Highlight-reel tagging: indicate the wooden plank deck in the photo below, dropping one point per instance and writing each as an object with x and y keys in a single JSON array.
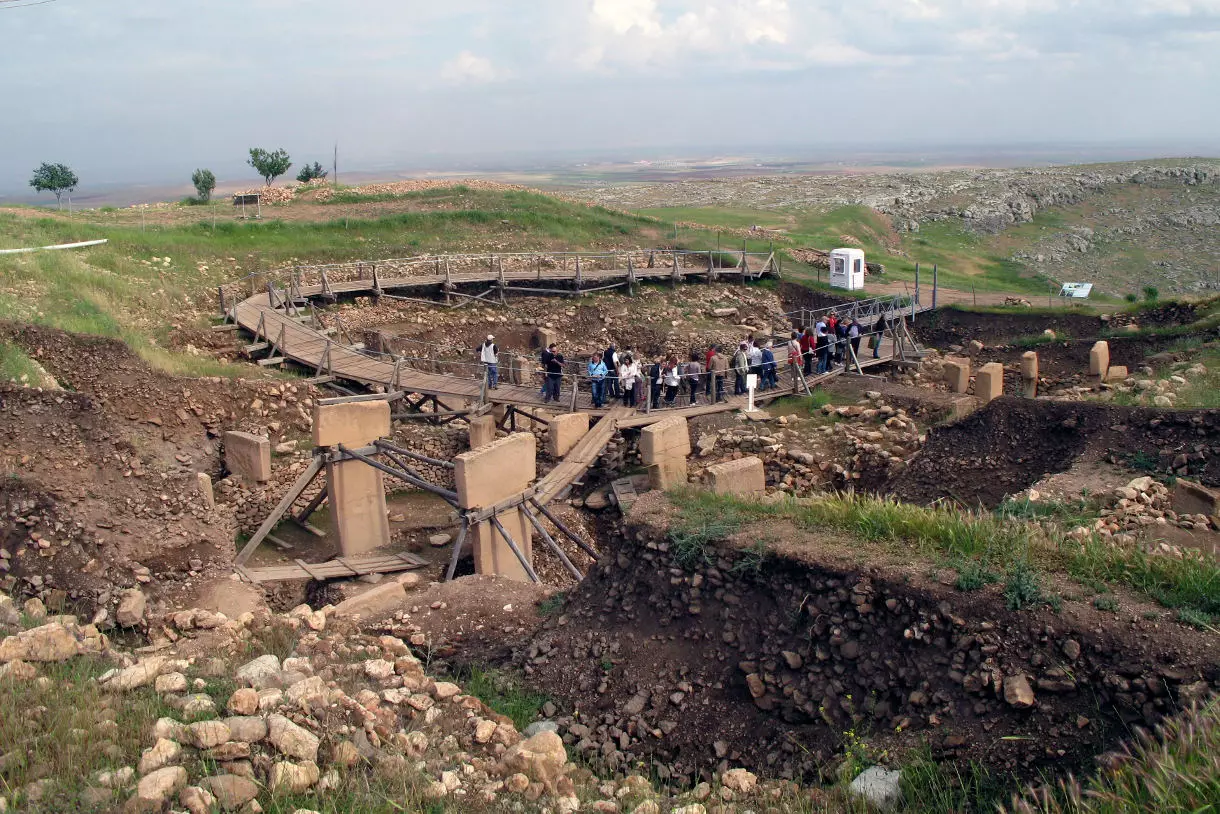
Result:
[
  {"x": 338, "y": 568},
  {"x": 313, "y": 349},
  {"x": 580, "y": 457}
]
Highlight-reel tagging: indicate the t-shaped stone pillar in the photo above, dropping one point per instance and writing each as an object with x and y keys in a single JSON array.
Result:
[
  {"x": 356, "y": 490},
  {"x": 486, "y": 476}
]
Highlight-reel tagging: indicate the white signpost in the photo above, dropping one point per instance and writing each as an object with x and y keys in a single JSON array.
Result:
[{"x": 751, "y": 385}]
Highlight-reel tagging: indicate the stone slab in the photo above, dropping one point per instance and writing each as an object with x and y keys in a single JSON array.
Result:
[
  {"x": 957, "y": 374},
  {"x": 248, "y": 456},
  {"x": 1194, "y": 498},
  {"x": 1099, "y": 359},
  {"x": 377, "y": 601},
  {"x": 503, "y": 468},
  {"x": 744, "y": 476},
  {"x": 356, "y": 424},
  {"x": 668, "y": 474},
  {"x": 989, "y": 383},
  {"x": 357, "y": 499},
  {"x": 543, "y": 337},
  {"x": 1117, "y": 373},
  {"x": 492, "y": 554},
  {"x": 1029, "y": 365},
  {"x": 564, "y": 432},
  {"x": 204, "y": 482},
  {"x": 482, "y": 431},
  {"x": 664, "y": 440}
]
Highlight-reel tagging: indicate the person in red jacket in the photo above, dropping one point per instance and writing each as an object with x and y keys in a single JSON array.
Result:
[{"x": 807, "y": 349}]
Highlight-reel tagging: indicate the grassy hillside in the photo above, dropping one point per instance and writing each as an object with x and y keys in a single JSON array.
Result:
[{"x": 147, "y": 279}]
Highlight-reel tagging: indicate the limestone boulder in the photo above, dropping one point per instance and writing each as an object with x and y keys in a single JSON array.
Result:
[
  {"x": 131, "y": 608},
  {"x": 294, "y": 778},
  {"x": 292, "y": 740},
  {"x": 261, "y": 673},
  {"x": 541, "y": 758},
  {"x": 231, "y": 791},
  {"x": 47, "y": 643},
  {"x": 159, "y": 786}
]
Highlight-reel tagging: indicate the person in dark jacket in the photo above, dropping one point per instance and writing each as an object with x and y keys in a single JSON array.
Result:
[
  {"x": 610, "y": 359},
  {"x": 554, "y": 376},
  {"x": 545, "y": 358},
  {"x": 770, "y": 377},
  {"x": 654, "y": 382}
]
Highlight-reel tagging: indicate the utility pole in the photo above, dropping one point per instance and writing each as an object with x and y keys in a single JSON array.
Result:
[{"x": 335, "y": 166}]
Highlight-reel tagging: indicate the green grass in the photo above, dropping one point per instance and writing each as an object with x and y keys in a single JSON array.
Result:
[
  {"x": 1177, "y": 770},
  {"x": 1025, "y": 551},
  {"x": 16, "y": 366},
  {"x": 504, "y": 693}
]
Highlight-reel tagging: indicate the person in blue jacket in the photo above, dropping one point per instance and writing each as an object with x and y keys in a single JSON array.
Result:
[{"x": 597, "y": 379}]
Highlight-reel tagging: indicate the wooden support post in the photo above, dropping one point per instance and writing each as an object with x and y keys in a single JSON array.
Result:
[
  {"x": 630, "y": 278},
  {"x": 585, "y": 547},
  {"x": 301, "y": 484},
  {"x": 500, "y": 278},
  {"x": 525, "y": 564},
  {"x": 579, "y": 276},
  {"x": 554, "y": 546},
  {"x": 457, "y": 549}
]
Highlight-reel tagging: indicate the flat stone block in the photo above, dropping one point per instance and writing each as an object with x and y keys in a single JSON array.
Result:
[
  {"x": 1099, "y": 359},
  {"x": 543, "y": 337},
  {"x": 1193, "y": 498},
  {"x": 503, "y": 468},
  {"x": 744, "y": 476},
  {"x": 1117, "y": 373},
  {"x": 248, "y": 455},
  {"x": 357, "y": 499},
  {"x": 482, "y": 431},
  {"x": 564, "y": 431},
  {"x": 356, "y": 424},
  {"x": 957, "y": 374},
  {"x": 378, "y": 601},
  {"x": 963, "y": 406},
  {"x": 666, "y": 439},
  {"x": 668, "y": 474},
  {"x": 989, "y": 383}
]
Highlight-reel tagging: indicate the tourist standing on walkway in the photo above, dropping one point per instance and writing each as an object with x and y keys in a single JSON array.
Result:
[
  {"x": 610, "y": 360},
  {"x": 554, "y": 375},
  {"x": 853, "y": 336},
  {"x": 548, "y": 353},
  {"x": 822, "y": 346},
  {"x": 597, "y": 379},
  {"x": 707, "y": 365},
  {"x": 754, "y": 356},
  {"x": 628, "y": 373},
  {"x": 770, "y": 379},
  {"x": 808, "y": 345},
  {"x": 794, "y": 358},
  {"x": 719, "y": 368},
  {"x": 841, "y": 340},
  {"x": 654, "y": 382},
  {"x": 489, "y": 355},
  {"x": 741, "y": 369},
  {"x": 672, "y": 379},
  {"x": 694, "y": 371}
]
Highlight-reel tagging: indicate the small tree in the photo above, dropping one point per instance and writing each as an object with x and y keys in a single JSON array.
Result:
[
  {"x": 269, "y": 165},
  {"x": 57, "y": 178},
  {"x": 309, "y": 173},
  {"x": 204, "y": 182},
  {"x": 1151, "y": 294}
]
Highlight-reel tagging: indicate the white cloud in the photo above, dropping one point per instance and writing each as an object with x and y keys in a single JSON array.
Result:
[{"x": 470, "y": 68}]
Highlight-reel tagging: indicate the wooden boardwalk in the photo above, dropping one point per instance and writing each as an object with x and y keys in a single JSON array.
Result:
[
  {"x": 580, "y": 457},
  {"x": 283, "y": 334}
]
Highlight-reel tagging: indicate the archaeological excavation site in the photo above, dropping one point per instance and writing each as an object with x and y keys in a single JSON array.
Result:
[{"x": 612, "y": 525}]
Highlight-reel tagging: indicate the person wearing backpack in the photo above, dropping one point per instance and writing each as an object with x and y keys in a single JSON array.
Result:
[{"x": 489, "y": 355}]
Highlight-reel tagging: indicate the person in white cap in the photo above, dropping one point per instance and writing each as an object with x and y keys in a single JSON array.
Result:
[{"x": 489, "y": 355}]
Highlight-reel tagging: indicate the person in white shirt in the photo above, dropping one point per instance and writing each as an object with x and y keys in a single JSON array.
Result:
[
  {"x": 628, "y": 373},
  {"x": 489, "y": 355}
]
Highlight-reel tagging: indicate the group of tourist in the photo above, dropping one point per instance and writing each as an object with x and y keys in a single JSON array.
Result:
[{"x": 663, "y": 380}]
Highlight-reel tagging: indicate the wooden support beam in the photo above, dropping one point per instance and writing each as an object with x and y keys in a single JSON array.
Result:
[
  {"x": 525, "y": 564},
  {"x": 457, "y": 549},
  {"x": 301, "y": 484},
  {"x": 550, "y": 541}
]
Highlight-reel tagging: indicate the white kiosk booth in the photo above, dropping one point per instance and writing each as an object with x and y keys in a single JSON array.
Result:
[{"x": 847, "y": 269}]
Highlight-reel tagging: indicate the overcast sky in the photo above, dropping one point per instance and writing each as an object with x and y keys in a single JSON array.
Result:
[{"x": 147, "y": 90}]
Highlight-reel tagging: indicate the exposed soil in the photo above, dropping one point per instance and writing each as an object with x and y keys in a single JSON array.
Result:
[
  {"x": 1012, "y": 443},
  {"x": 768, "y": 663}
]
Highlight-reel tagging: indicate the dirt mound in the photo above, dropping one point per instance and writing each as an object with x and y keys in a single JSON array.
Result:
[
  {"x": 100, "y": 488},
  {"x": 775, "y": 662},
  {"x": 950, "y": 326},
  {"x": 1012, "y": 443}
]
